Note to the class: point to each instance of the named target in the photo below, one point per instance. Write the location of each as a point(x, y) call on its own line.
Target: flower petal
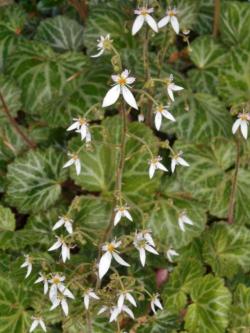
point(244, 128)
point(182, 162)
point(168, 115)
point(138, 23)
point(78, 166)
point(158, 120)
point(69, 163)
point(41, 322)
point(86, 302)
point(152, 169)
point(120, 301)
point(98, 54)
point(161, 167)
point(104, 264)
point(58, 224)
point(150, 249)
point(129, 97)
point(120, 260)
point(111, 96)
point(152, 23)
point(127, 214)
point(55, 246)
point(131, 299)
point(175, 24)
point(118, 216)
point(65, 307)
point(142, 253)
point(34, 325)
point(173, 164)
point(164, 21)
point(236, 125)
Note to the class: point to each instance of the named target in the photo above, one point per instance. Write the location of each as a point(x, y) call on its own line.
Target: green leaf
point(206, 118)
point(213, 185)
point(12, 20)
point(11, 95)
point(207, 55)
point(61, 33)
point(7, 219)
point(240, 318)
point(13, 300)
point(226, 249)
point(163, 321)
point(42, 73)
point(234, 82)
point(180, 283)
point(204, 22)
point(234, 24)
point(34, 180)
point(209, 311)
point(163, 220)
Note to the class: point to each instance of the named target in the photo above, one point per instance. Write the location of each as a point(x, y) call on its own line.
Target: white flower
point(154, 165)
point(184, 219)
point(161, 111)
point(63, 301)
point(155, 302)
point(81, 126)
point(103, 309)
point(74, 160)
point(115, 311)
point(103, 43)
point(141, 118)
point(242, 122)
point(57, 285)
point(122, 212)
point(144, 242)
point(37, 321)
point(87, 295)
point(64, 220)
point(170, 17)
point(143, 16)
point(27, 263)
point(178, 160)
point(65, 251)
point(43, 279)
point(110, 252)
point(172, 87)
point(125, 295)
point(122, 83)
point(171, 253)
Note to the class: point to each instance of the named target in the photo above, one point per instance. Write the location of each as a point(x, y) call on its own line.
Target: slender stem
point(230, 218)
point(13, 122)
point(141, 141)
point(89, 323)
point(216, 24)
point(82, 8)
point(118, 185)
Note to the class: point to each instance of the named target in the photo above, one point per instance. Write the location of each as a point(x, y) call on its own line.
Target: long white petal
point(164, 21)
point(127, 214)
point(111, 96)
point(55, 304)
point(131, 299)
point(86, 302)
point(142, 253)
point(74, 126)
point(65, 291)
point(174, 87)
point(120, 260)
point(170, 93)
point(158, 304)
point(244, 128)
point(175, 24)
point(128, 311)
point(42, 325)
point(45, 287)
point(138, 23)
point(29, 269)
point(182, 162)
point(65, 307)
point(152, 23)
point(151, 170)
point(181, 224)
point(65, 252)
point(150, 249)
point(236, 125)
point(78, 166)
point(34, 325)
point(120, 301)
point(58, 224)
point(161, 167)
point(173, 165)
point(153, 306)
point(53, 293)
point(168, 115)
point(55, 246)
point(93, 295)
point(69, 163)
point(98, 54)
point(104, 264)
point(118, 216)
point(187, 220)
point(114, 314)
point(40, 279)
point(158, 120)
point(68, 227)
point(129, 97)
point(83, 132)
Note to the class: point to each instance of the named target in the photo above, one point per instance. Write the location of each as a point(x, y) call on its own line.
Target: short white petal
point(138, 23)
point(40, 279)
point(142, 253)
point(118, 216)
point(102, 309)
point(175, 24)
point(244, 128)
point(111, 96)
point(129, 97)
point(168, 115)
point(151, 170)
point(152, 23)
point(34, 325)
point(127, 214)
point(161, 167)
point(93, 295)
point(104, 264)
point(120, 260)
point(98, 54)
point(164, 21)
point(65, 307)
point(125, 73)
point(158, 120)
point(173, 165)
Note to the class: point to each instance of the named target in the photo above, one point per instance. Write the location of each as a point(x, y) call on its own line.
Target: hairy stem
point(118, 185)
point(216, 24)
point(232, 199)
point(13, 122)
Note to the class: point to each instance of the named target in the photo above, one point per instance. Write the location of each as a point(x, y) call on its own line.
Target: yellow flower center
point(75, 157)
point(171, 13)
point(56, 280)
point(107, 43)
point(122, 81)
point(244, 116)
point(144, 11)
point(111, 247)
point(82, 121)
